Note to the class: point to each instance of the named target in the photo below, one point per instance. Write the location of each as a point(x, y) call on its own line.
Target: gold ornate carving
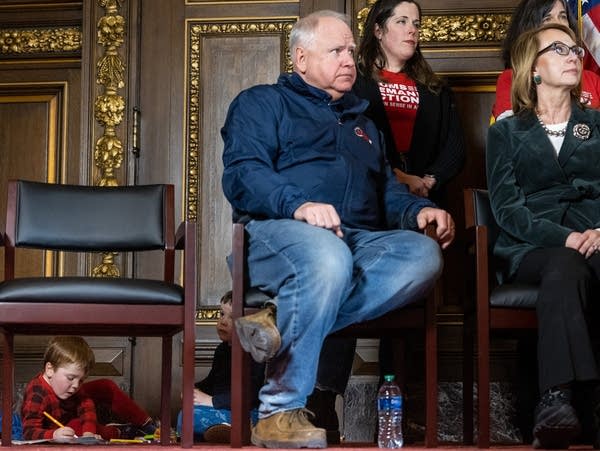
point(19, 41)
point(107, 268)
point(109, 108)
point(208, 315)
point(478, 28)
point(472, 28)
point(197, 30)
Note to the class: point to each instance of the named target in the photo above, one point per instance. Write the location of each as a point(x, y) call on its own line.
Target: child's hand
point(201, 398)
point(91, 434)
point(65, 432)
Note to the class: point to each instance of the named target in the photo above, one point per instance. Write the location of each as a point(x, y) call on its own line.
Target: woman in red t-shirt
point(409, 103)
point(531, 14)
point(411, 106)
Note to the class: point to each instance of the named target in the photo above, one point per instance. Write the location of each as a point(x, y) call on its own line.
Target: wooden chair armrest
point(430, 231)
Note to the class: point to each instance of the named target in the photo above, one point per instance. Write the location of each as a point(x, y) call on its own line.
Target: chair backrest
point(483, 215)
point(89, 218)
point(478, 212)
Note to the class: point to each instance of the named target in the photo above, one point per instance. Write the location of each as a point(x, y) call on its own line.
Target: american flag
point(588, 14)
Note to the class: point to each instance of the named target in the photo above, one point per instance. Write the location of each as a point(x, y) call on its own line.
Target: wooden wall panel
point(225, 57)
point(227, 66)
point(32, 140)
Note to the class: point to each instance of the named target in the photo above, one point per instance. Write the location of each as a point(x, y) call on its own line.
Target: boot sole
point(316, 442)
point(260, 340)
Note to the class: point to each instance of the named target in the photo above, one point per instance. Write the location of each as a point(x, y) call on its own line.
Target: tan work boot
point(258, 334)
point(289, 429)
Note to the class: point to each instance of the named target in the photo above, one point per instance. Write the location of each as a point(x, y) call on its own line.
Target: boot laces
point(300, 416)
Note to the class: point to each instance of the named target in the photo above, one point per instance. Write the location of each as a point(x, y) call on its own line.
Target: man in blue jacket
point(330, 230)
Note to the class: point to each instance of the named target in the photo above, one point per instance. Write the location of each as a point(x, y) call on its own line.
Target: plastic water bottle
point(389, 408)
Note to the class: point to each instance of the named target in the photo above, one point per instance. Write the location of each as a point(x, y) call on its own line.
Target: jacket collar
point(348, 104)
point(529, 130)
point(572, 142)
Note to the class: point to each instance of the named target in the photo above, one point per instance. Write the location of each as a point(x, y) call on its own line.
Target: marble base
point(359, 415)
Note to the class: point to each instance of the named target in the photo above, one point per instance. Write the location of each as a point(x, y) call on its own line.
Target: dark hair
point(528, 15)
point(525, 53)
point(226, 298)
point(371, 57)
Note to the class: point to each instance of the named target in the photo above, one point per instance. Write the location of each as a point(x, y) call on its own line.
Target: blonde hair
point(65, 350)
point(524, 54)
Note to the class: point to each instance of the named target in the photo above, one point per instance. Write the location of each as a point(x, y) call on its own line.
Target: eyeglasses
point(563, 49)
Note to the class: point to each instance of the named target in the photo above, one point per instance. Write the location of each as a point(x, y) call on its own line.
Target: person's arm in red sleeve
point(35, 400)
point(87, 415)
point(502, 105)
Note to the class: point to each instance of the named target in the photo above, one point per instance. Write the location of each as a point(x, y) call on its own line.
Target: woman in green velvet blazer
point(543, 170)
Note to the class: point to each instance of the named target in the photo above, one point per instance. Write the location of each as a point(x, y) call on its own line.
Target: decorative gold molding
point(109, 109)
point(477, 28)
point(208, 315)
point(197, 29)
point(22, 41)
point(455, 29)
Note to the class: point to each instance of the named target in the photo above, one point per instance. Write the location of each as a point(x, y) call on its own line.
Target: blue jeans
point(17, 427)
point(206, 416)
point(324, 283)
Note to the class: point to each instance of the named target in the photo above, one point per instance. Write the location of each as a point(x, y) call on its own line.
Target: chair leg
point(165, 394)
point(187, 427)
point(467, 382)
point(431, 377)
point(241, 384)
point(483, 384)
point(8, 382)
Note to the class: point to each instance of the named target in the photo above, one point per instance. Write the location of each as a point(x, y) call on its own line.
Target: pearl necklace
point(557, 134)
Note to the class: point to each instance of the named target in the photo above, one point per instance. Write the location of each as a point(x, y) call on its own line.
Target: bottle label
point(393, 402)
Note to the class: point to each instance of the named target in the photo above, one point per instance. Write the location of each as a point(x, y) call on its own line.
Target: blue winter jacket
point(288, 143)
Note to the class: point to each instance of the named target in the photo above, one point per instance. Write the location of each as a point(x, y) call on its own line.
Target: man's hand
point(445, 227)
point(320, 215)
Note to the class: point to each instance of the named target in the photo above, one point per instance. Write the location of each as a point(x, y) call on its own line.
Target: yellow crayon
point(127, 440)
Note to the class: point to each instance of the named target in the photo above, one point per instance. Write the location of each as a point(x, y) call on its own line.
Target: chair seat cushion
point(90, 290)
point(517, 295)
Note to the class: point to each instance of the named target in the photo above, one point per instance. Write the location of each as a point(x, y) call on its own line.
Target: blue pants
point(17, 428)
point(205, 417)
point(324, 283)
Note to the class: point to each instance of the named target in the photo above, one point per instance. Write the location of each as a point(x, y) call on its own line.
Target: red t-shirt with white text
point(401, 101)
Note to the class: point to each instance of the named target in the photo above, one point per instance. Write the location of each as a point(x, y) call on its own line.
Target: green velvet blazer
point(539, 198)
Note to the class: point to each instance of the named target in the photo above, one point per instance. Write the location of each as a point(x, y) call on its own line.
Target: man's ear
point(300, 58)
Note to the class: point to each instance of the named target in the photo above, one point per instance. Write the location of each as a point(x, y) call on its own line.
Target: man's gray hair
point(303, 31)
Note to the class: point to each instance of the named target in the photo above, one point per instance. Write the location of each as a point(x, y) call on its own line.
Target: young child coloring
point(84, 409)
point(212, 395)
